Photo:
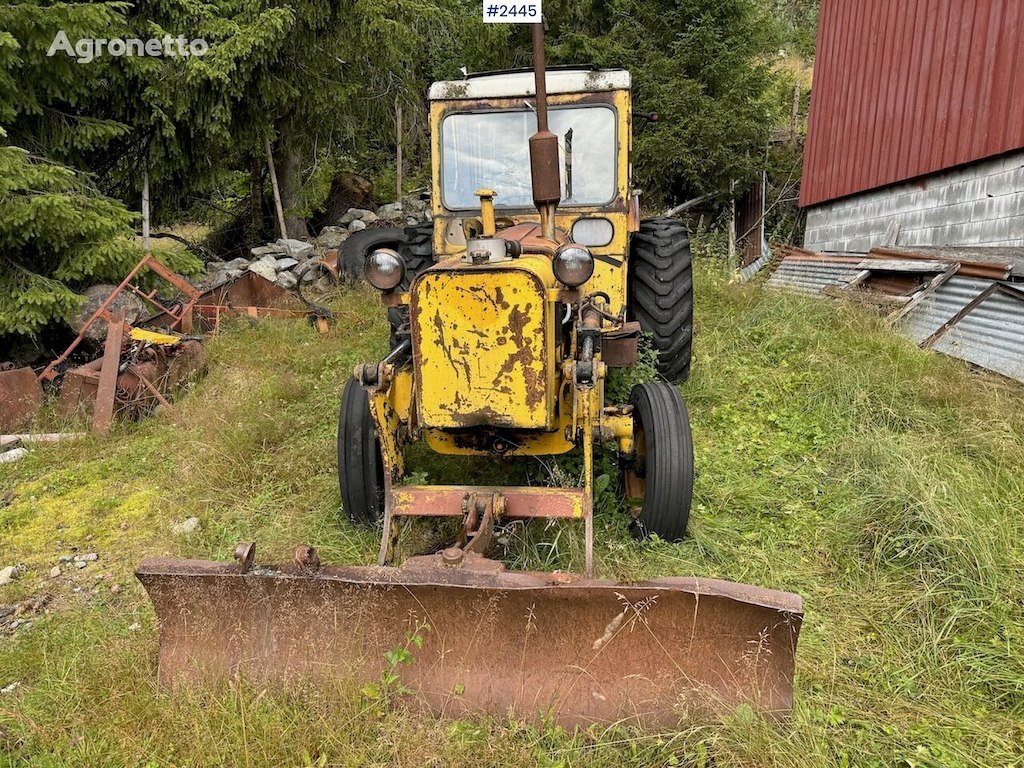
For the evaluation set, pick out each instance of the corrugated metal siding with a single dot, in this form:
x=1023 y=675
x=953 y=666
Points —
x=749 y=221
x=811 y=277
x=904 y=89
x=992 y=336
x=934 y=310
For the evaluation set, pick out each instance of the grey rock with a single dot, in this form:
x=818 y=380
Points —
x=296 y=249
x=90 y=557
x=271 y=249
x=286 y=263
x=310 y=275
x=332 y=237
x=134 y=309
x=412 y=205
x=185 y=527
x=391 y=211
x=265 y=268
x=16 y=454
x=9 y=688
x=239 y=263
x=212 y=281
x=80 y=564
x=222 y=276
x=357 y=226
x=8 y=574
x=353 y=214
x=287 y=280
x=55 y=572
x=135 y=627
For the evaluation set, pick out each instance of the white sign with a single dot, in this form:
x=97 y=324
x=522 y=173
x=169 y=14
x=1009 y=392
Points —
x=524 y=12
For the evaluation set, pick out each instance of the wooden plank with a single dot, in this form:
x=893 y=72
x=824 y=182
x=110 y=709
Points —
x=39 y=437
x=860 y=296
x=863 y=275
x=974 y=304
x=901 y=265
x=992 y=271
x=925 y=292
x=103 y=413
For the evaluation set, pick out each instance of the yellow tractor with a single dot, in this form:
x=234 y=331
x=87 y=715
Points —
x=506 y=316
x=534 y=278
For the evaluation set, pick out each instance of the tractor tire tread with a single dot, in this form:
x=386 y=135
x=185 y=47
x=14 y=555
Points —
x=418 y=252
x=360 y=470
x=661 y=292
x=668 y=491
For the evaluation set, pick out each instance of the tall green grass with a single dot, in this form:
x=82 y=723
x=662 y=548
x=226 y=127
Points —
x=835 y=459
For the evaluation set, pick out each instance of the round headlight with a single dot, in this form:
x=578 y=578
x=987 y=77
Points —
x=384 y=269
x=573 y=265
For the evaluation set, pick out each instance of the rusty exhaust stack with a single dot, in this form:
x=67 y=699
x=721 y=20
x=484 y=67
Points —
x=544 y=173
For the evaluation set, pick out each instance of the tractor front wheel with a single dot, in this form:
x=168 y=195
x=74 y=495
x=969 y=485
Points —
x=360 y=468
x=659 y=476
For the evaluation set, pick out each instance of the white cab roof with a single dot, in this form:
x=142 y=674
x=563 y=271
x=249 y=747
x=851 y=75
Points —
x=519 y=84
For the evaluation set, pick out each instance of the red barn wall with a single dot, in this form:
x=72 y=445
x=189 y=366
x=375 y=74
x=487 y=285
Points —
x=905 y=88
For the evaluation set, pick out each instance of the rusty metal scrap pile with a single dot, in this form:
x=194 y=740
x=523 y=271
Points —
x=150 y=347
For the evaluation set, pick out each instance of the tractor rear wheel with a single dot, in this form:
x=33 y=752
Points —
x=360 y=468
x=660 y=475
x=418 y=253
x=359 y=245
x=661 y=292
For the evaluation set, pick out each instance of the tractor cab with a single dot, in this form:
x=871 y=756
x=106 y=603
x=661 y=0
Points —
x=480 y=135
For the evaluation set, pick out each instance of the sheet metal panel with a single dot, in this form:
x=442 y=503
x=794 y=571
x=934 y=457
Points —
x=811 y=277
x=749 y=221
x=992 y=336
x=904 y=89
x=934 y=310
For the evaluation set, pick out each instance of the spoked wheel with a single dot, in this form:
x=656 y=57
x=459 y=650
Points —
x=659 y=479
x=360 y=468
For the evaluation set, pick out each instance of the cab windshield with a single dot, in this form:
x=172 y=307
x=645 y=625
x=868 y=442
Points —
x=491 y=150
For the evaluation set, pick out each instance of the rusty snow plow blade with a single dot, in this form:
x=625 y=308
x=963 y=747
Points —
x=482 y=639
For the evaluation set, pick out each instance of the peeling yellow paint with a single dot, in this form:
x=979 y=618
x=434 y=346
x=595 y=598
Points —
x=485 y=348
